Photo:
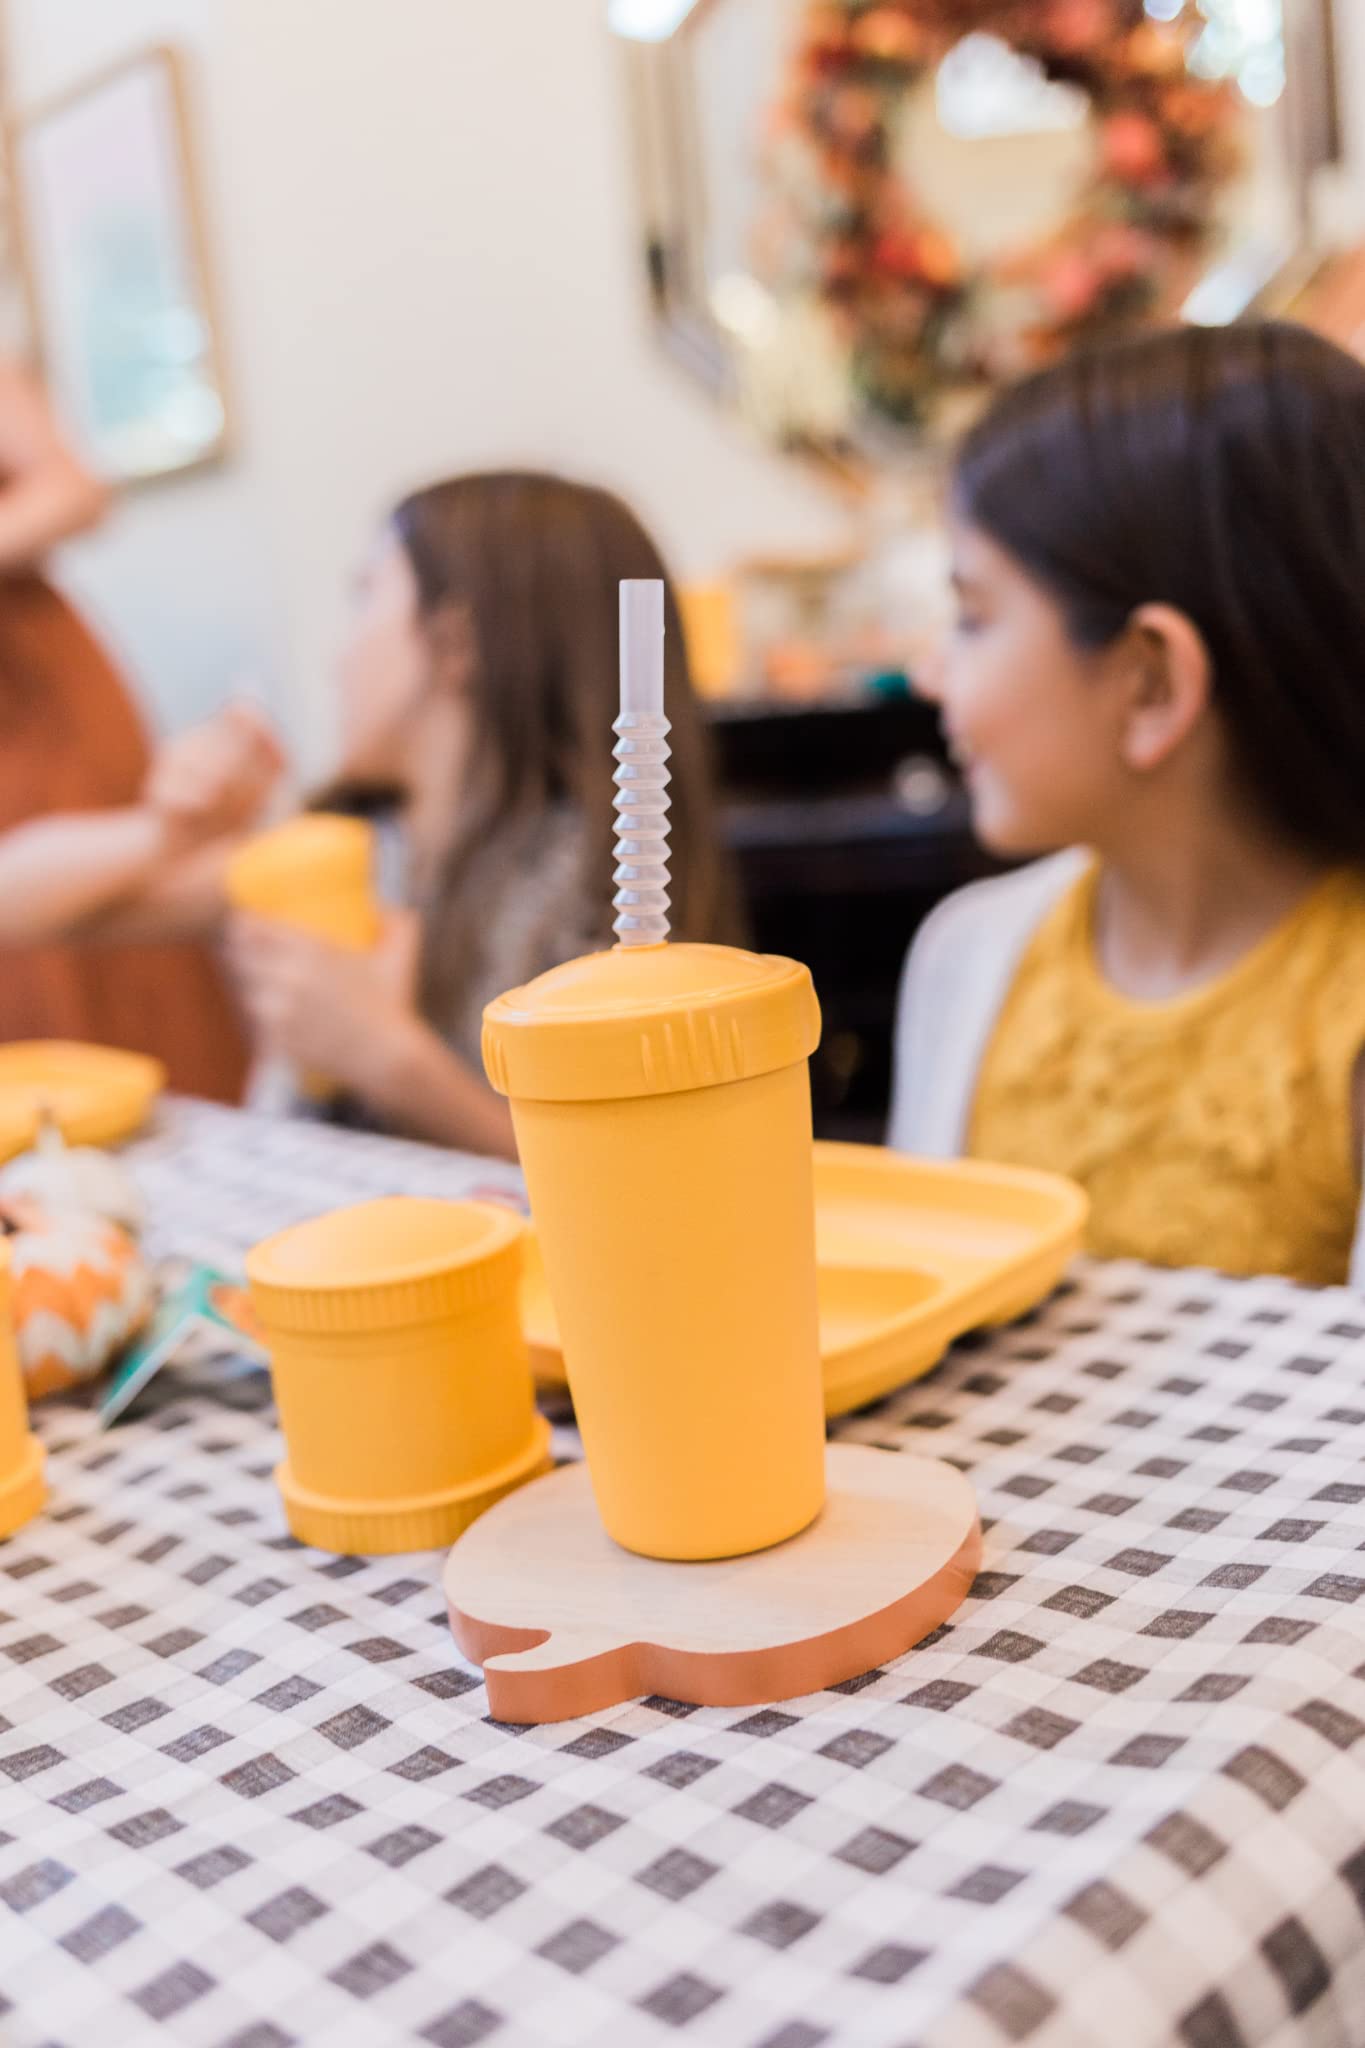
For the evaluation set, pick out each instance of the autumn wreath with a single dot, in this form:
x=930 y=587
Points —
x=901 y=291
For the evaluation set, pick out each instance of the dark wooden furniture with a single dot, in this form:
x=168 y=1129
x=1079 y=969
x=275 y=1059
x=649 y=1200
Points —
x=839 y=869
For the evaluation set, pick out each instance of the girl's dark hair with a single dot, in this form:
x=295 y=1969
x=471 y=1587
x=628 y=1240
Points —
x=1222 y=471
x=535 y=562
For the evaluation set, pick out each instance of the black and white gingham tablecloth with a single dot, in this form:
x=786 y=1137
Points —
x=250 y=1794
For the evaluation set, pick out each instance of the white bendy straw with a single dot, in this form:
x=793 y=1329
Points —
x=641 y=876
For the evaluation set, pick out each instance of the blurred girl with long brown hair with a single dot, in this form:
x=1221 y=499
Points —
x=478 y=690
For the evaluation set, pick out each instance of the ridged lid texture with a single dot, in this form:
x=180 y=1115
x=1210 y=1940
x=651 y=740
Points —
x=649 y=1020
x=386 y=1264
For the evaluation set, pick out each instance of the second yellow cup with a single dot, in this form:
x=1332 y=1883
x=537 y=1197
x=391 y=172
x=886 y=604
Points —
x=401 y=1373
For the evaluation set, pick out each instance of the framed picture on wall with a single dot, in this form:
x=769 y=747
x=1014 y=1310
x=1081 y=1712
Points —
x=119 y=281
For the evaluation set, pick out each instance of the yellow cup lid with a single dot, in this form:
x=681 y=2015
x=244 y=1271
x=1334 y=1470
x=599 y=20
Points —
x=317 y=853
x=649 y=1020
x=385 y=1264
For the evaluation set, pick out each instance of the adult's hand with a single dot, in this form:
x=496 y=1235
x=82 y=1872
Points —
x=217 y=779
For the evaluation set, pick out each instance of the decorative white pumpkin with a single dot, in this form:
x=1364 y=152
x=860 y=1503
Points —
x=75 y=1178
x=80 y=1290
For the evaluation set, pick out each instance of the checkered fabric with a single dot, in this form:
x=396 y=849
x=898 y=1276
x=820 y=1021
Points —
x=251 y=1795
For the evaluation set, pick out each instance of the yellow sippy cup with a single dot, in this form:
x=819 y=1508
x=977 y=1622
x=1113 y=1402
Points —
x=22 y=1487
x=661 y=1100
x=315 y=872
x=401 y=1373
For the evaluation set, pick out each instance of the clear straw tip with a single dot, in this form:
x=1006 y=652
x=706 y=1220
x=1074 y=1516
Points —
x=642 y=646
x=641 y=876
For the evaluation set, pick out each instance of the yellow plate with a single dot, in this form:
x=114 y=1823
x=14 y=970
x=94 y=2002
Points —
x=912 y=1254
x=97 y=1095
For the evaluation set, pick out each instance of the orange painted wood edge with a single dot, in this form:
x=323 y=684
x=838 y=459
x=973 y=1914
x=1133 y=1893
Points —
x=720 y=1678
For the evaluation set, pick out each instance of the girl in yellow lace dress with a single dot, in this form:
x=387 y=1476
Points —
x=1159 y=664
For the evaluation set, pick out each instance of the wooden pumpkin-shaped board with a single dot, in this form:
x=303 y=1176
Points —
x=81 y=1290
x=565 y=1622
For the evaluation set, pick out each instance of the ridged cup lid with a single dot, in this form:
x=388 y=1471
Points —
x=385 y=1265
x=319 y=852
x=649 y=1020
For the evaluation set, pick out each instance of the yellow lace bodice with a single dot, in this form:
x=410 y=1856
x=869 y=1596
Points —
x=1214 y=1129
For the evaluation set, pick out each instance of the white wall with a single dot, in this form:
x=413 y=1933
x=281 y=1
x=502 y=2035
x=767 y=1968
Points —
x=448 y=263
x=423 y=216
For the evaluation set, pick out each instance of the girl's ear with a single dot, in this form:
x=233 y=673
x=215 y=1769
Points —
x=450 y=635
x=1171 y=688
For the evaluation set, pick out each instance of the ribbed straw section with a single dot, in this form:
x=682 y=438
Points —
x=641 y=877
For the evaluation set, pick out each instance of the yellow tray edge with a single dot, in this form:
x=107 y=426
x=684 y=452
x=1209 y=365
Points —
x=910 y=1346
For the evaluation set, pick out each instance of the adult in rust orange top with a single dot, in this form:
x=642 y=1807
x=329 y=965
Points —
x=71 y=740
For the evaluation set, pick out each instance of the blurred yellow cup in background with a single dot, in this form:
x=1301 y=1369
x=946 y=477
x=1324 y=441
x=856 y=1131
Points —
x=315 y=872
